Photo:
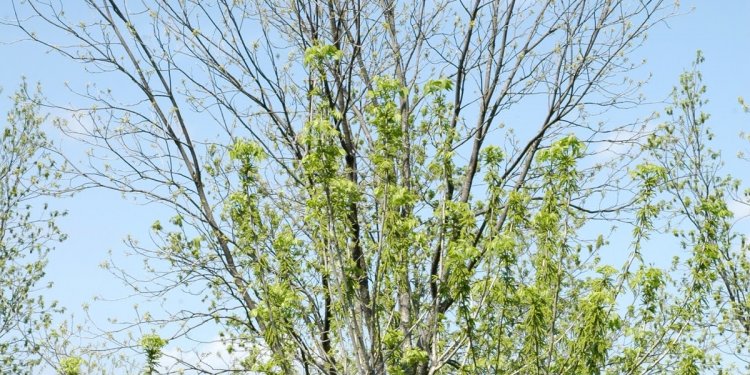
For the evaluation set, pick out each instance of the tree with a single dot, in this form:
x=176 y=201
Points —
x=391 y=187
x=716 y=271
x=27 y=231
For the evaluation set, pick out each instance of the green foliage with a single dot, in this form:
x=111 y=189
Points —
x=368 y=210
x=318 y=54
x=71 y=366
x=152 y=344
x=683 y=193
x=27 y=227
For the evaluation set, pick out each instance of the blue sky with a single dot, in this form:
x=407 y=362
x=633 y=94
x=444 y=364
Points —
x=98 y=221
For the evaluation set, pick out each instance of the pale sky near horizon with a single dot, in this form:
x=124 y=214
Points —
x=99 y=220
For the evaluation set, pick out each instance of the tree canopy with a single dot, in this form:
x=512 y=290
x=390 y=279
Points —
x=406 y=187
x=27 y=233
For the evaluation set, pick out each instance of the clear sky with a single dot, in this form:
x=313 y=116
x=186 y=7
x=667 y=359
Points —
x=99 y=220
